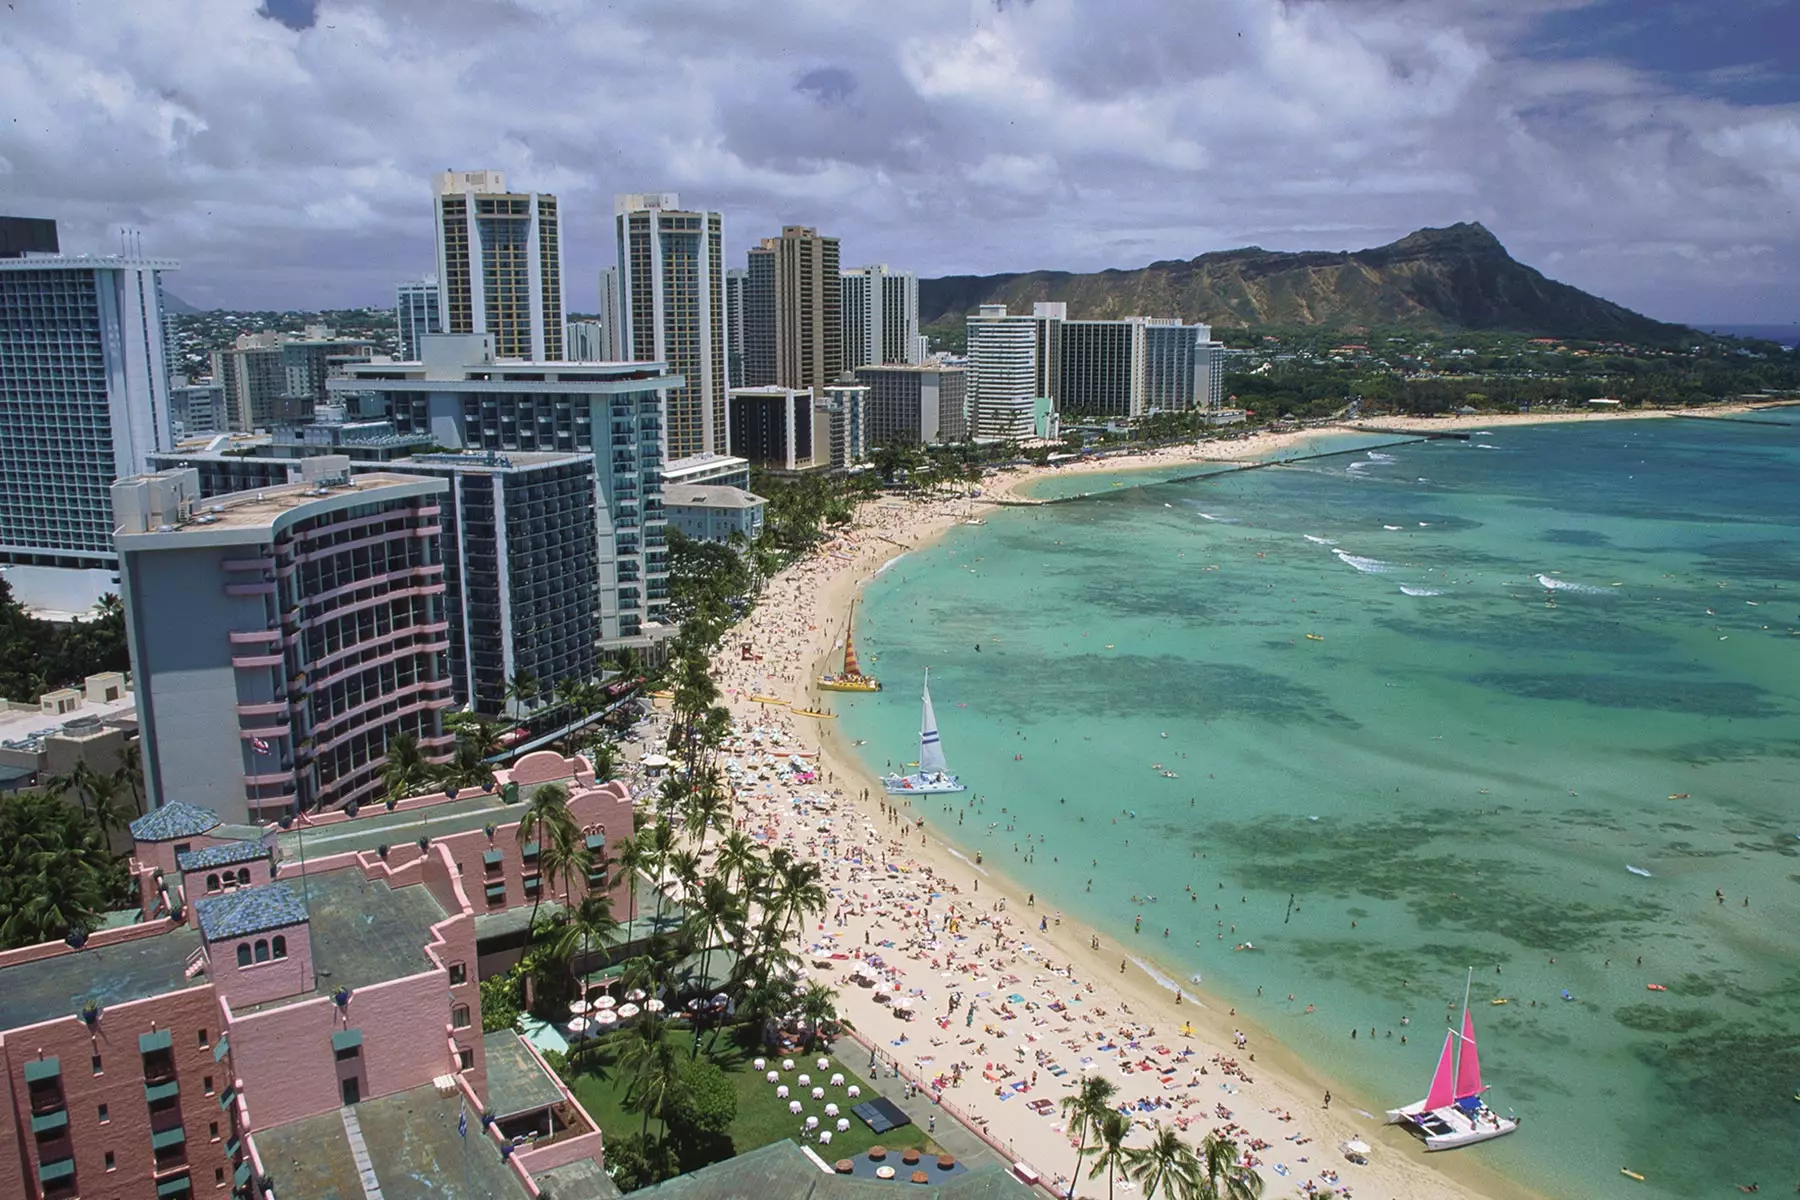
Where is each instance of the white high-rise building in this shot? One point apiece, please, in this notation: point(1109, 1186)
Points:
point(881, 317)
point(1003, 373)
point(84, 400)
point(672, 310)
point(500, 264)
point(585, 341)
point(417, 312)
point(609, 313)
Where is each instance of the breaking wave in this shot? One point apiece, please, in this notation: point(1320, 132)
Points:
point(1563, 585)
point(1420, 591)
point(1368, 566)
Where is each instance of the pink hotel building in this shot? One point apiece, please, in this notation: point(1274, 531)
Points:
point(296, 1013)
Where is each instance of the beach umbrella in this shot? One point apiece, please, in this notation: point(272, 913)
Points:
point(578, 1025)
point(605, 1002)
point(654, 1005)
point(606, 1016)
point(578, 1006)
point(635, 994)
point(627, 1011)
point(1356, 1146)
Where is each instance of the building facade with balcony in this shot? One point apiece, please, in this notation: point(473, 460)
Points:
point(521, 570)
point(280, 639)
point(466, 399)
point(307, 1010)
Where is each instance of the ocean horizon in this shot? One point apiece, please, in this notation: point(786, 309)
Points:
point(1520, 703)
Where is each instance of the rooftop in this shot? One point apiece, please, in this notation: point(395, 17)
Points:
point(250, 910)
point(72, 262)
point(363, 931)
point(412, 1149)
point(934, 367)
point(516, 1083)
point(709, 495)
point(376, 827)
point(226, 854)
point(173, 820)
point(48, 988)
point(479, 461)
point(91, 717)
point(581, 1180)
point(260, 508)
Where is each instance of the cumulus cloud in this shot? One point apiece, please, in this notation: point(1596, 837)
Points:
point(283, 148)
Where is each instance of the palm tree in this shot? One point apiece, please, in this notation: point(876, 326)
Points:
point(631, 859)
point(544, 816)
point(714, 915)
point(740, 860)
point(562, 859)
point(522, 691)
point(130, 774)
point(1083, 1111)
point(1223, 1176)
point(707, 807)
point(406, 769)
point(797, 892)
point(646, 1054)
point(1111, 1132)
point(1167, 1164)
point(589, 922)
point(818, 1004)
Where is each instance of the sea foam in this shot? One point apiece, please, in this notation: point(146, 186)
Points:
point(1368, 566)
point(1319, 541)
point(1563, 585)
point(882, 569)
point(1420, 591)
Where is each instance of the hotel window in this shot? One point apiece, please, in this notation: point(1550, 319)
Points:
point(204, 1040)
point(212, 1128)
point(459, 1017)
point(218, 1176)
point(279, 946)
point(206, 1083)
point(96, 1064)
point(243, 954)
point(105, 1117)
point(109, 1161)
point(465, 1060)
point(459, 974)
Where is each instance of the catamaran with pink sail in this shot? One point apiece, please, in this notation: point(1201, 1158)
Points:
point(1453, 1114)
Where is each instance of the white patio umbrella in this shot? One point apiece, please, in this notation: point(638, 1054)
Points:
point(627, 1011)
point(635, 994)
point(578, 1006)
point(1356, 1146)
point(578, 1025)
point(654, 1005)
point(605, 1002)
point(606, 1017)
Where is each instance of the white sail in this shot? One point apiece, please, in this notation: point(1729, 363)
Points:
point(931, 748)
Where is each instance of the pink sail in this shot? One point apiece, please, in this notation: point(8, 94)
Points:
point(1440, 1094)
point(1468, 1067)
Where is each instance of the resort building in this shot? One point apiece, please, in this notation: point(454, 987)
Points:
point(714, 512)
point(672, 311)
point(914, 405)
point(499, 264)
point(465, 398)
point(793, 311)
point(298, 1013)
point(280, 639)
point(1003, 373)
point(774, 427)
point(196, 409)
point(521, 570)
point(609, 314)
point(727, 469)
point(585, 341)
point(845, 411)
point(86, 387)
point(881, 316)
point(416, 313)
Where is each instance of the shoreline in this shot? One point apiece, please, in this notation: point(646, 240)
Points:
point(1256, 447)
point(822, 589)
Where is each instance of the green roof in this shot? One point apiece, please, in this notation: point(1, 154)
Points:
point(516, 1083)
point(50, 1120)
point(62, 1168)
point(169, 1187)
point(161, 1091)
point(493, 858)
point(150, 1042)
point(596, 841)
point(241, 1176)
point(346, 1039)
point(221, 1048)
point(168, 1137)
point(42, 1068)
point(583, 1179)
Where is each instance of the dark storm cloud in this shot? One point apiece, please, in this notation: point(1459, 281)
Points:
point(283, 148)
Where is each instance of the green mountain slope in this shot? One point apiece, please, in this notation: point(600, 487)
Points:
point(1443, 279)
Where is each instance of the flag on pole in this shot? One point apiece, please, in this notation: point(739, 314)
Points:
point(257, 744)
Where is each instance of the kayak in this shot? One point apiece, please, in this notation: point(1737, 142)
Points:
point(1631, 1173)
point(1656, 987)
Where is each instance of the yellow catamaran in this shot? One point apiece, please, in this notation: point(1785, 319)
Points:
point(850, 679)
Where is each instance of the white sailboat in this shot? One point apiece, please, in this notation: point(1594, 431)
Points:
point(1453, 1114)
point(933, 774)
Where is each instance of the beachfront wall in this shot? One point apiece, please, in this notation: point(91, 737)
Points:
point(114, 1098)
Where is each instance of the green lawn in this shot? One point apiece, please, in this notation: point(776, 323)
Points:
point(762, 1118)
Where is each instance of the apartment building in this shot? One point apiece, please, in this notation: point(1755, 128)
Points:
point(776, 428)
point(499, 263)
point(793, 311)
point(280, 639)
point(881, 316)
point(417, 313)
point(914, 405)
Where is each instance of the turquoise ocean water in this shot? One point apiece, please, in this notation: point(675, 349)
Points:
point(1460, 767)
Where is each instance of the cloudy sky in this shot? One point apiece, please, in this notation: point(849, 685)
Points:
point(1648, 150)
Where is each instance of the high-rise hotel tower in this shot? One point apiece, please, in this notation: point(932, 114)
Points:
point(499, 264)
point(672, 310)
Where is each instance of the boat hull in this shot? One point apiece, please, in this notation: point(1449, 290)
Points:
point(860, 684)
point(918, 785)
point(1451, 1128)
